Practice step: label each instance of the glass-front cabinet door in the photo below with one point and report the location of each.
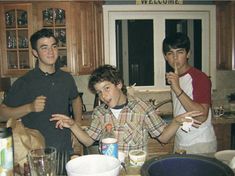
(16, 28)
(56, 17)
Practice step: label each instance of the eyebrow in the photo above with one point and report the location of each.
(55, 43)
(178, 49)
(104, 87)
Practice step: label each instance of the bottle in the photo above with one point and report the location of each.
(6, 152)
(109, 145)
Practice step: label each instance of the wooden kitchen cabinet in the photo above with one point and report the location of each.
(88, 36)
(57, 17)
(225, 12)
(16, 26)
(223, 135)
(77, 24)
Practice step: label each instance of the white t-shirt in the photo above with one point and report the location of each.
(197, 86)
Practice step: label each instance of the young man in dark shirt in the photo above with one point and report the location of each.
(43, 91)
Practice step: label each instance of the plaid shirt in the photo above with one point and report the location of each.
(134, 119)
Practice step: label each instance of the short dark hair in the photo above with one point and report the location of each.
(106, 73)
(176, 40)
(41, 34)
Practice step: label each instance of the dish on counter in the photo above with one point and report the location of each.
(225, 156)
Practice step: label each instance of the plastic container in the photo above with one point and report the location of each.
(6, 152)
(109, 145)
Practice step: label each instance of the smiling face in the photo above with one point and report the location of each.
(47, 53)
(110, 93)
(178, 58)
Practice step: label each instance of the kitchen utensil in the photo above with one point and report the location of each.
(185, 165)
(93, 165)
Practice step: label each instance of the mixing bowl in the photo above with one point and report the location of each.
(93, 165)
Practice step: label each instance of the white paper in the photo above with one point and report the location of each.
(187, 125)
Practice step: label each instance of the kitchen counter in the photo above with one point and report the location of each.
(222, 127)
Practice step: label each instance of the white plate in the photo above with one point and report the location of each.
(225, 155)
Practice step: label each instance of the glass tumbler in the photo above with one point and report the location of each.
(42, 162)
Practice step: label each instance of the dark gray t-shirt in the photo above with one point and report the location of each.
(60, 89)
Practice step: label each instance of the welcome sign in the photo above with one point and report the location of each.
(160, 2)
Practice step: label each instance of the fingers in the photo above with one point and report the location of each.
(196, 123)
(193, 113)
(39, 104)
(59, 124)
(58, 117)
(62, 121)
(184, 118)
(41, 97)
(175, 68)
(172, 78)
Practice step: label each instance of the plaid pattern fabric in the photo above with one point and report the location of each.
(135, 118)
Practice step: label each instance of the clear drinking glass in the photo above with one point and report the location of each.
(42, 162)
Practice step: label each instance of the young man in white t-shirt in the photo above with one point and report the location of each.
(191, 91)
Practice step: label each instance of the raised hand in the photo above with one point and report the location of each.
(183, 118)
(62, 121)
(172, 79)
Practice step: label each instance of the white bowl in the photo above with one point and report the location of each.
(225, 155)
(93, 165)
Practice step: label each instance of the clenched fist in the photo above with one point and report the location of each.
(38, 104)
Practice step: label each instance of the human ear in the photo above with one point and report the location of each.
(189, 54)
(35, 53)
(119, 85)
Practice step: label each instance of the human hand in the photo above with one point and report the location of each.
(38, 104)
(180, 119)
(172, 79)
(62, 121)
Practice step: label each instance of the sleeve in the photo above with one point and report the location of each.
(17, 94)
(95, 128)
(202, 89)
(155, 124)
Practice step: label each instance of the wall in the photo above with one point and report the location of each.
(225, 86)
(88, 97)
